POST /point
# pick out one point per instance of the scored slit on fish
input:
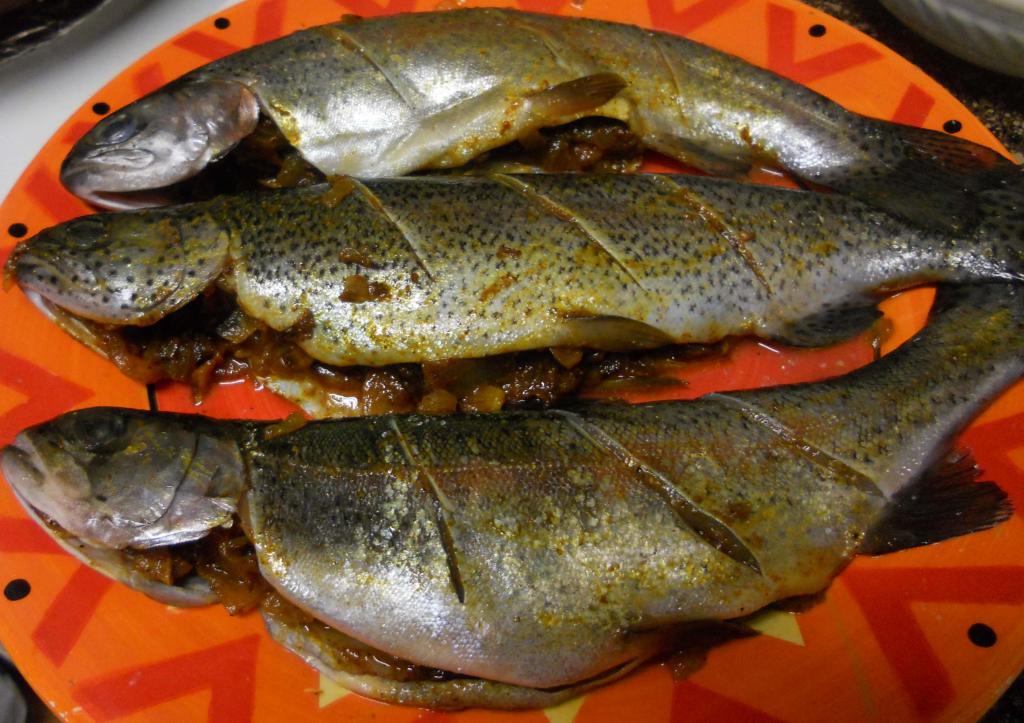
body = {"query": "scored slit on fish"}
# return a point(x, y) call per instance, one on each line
point(545, 38)
point(575, 219)
point(442, 507)
point(508, 273)
point(373, 200)
point(674, 78)
point(705, 526)
point(581, 561)
point(710, 110)
point(400, 87)
point(792, 439)
point(718, 225)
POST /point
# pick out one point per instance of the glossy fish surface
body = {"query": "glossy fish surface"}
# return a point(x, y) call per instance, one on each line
point(390, 95)
point(545, 549)
point(425, 269)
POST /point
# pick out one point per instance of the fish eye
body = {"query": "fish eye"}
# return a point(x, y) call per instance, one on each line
point(98, 432)
point(118, 130)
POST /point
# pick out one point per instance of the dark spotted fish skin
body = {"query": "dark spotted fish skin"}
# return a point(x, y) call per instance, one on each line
point(569, 559)
point(386, 96)
point(463, 267)
point(541, 548)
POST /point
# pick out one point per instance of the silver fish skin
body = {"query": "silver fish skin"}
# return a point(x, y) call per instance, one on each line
point(544, 548)
point(465, 267)
point(390, 95)
point(191, 482)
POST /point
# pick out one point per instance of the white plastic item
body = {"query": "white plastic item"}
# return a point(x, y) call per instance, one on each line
point(989, 33)
point(40, 89)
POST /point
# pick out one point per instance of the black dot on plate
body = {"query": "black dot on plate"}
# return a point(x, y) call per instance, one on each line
point(17, 589)
point(952, 126)
point(100, 108)
point(17, 230)
point(222, 23)
point(817, 31)
point(982, 635)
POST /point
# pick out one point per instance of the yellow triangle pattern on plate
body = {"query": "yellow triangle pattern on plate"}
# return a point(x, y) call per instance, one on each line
point(330, 691)
point(565, 712)
point(777, 624)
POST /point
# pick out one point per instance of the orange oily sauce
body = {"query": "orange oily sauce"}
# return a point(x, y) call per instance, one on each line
point(211, 340)
point(226, 559)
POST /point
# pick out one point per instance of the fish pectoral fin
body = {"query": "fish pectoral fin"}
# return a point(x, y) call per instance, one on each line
point(830, 326)
point(936, 182)
point(945, 502)
point(571, 98)
point(611, 333)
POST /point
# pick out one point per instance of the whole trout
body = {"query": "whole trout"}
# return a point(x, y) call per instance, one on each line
point(523, 556)
point(423, 269)
point(385, 96)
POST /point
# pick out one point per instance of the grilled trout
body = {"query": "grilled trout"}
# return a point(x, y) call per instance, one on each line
point(390, 95)
point(513, 559)
point(425, 269)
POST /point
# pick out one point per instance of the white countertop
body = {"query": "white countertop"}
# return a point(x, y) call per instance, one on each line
point(40, 89)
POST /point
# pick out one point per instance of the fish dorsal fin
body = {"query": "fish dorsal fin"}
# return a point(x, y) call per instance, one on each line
point(947, 501)
point(830, 326)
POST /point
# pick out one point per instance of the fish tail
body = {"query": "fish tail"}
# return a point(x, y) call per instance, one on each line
point(930, 388)
point(927, 177)
point(946, 501)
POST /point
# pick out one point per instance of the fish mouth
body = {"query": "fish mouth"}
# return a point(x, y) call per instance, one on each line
point(126, 200)
point(30, 476)
point(65, 320)
point(42, 283)
point(374, 669)
point(114, 200)
point(19, 464)
point(35, 275)
point(88, 176)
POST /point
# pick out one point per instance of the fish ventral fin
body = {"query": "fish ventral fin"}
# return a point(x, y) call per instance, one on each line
point(830, 326)
point(947, 501)
point(612, 333)
point(575, 96)
point(935, 184)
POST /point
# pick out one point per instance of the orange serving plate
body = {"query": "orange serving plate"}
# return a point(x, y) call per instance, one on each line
point(929, 634)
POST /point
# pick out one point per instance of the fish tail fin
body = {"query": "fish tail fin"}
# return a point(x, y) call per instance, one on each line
point(934, 180)
point(947, 501)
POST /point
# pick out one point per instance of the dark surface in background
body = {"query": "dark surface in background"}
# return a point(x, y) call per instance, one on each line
point(998, 100)
point(24, 24)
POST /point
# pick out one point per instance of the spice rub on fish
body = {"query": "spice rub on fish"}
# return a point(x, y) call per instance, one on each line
point(386, 96)
point(417, 270)
point(511, 560)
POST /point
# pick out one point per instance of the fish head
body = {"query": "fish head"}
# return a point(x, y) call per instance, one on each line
point(157, 141)
point(124, 268)
point(117, 478)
